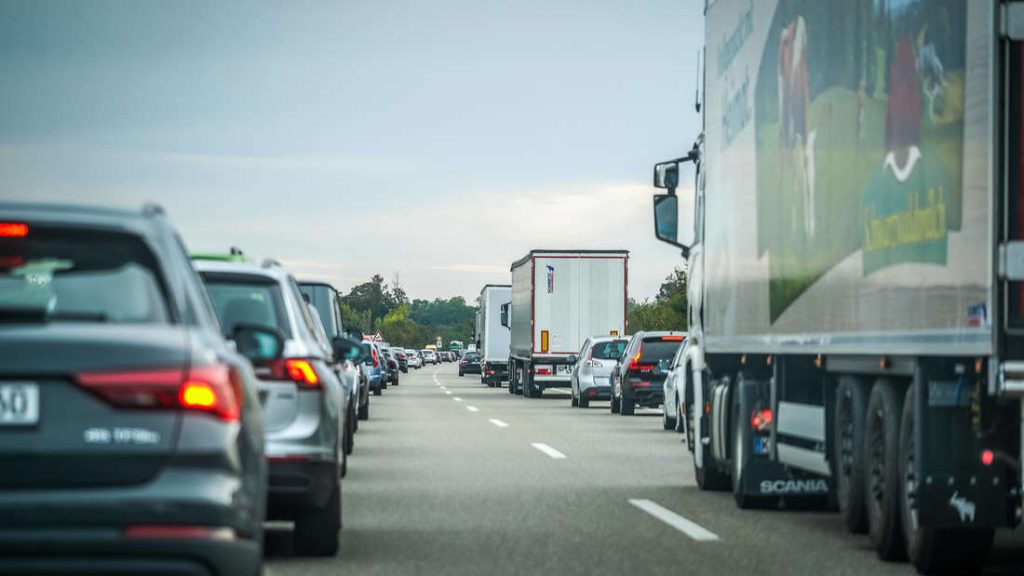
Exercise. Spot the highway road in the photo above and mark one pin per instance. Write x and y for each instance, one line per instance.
(451, 477)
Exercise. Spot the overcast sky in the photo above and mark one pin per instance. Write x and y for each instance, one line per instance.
(439, 140)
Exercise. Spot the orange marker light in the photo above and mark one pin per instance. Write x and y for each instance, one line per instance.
(13, 230)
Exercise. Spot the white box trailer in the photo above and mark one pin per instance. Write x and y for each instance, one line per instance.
(494, 337)
(559, 299)
(856, 287)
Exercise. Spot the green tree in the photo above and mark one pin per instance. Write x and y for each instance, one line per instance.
(668, 309)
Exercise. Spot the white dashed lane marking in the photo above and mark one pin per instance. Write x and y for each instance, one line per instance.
(548, 450)
(472, 408)
(692, 529)
(498, 423)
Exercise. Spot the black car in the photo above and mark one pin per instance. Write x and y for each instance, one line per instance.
(637, 379)
(470, 364)
(131, 435)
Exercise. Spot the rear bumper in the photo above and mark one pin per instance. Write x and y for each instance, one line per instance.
(648, 396)
(470, 369)
(299, 484)
(105, 551)
(596, 393)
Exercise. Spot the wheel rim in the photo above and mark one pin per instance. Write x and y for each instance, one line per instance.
(846, 454)
(876, 472)
(737, 460)
(909, 480)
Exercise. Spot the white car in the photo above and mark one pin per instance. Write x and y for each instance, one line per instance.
(674, 389)
(429, 356)
(590, 376)
(414, 359)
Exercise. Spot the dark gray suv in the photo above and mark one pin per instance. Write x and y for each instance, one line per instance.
(131, 435)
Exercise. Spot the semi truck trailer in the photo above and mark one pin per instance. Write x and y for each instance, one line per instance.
(852, 219)
(559, 298)
(494, 338)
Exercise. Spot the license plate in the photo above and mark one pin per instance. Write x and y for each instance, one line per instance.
(762, 445)
(19, 404)
(563, 369)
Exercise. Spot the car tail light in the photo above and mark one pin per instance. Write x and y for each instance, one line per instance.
(376, 357)
(215, 389)
(491, 372)
(634, 363)
(13, 230)
(298, 370)
(987, 457)
(671, 338)
(761, 420)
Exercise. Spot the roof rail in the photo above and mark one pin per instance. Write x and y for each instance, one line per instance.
(153, 209)
(270, 263)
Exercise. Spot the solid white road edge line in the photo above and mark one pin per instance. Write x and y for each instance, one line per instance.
(548, 450)
(498, 423)
(472, 408)
(692, 529)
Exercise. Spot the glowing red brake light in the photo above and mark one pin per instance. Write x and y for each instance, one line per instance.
(672, 338)
(634, 363)
(987, 457)
(302, 372)
(376, 358)
(13, 230)
(761, 420)
(214, 389)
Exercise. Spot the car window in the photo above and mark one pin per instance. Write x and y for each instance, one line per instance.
(307, 318)
(658, 348)
(608, 350)
(246, 299)
(56, 274)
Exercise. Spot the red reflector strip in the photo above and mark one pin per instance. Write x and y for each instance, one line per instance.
(987, 457)
(640, 384)
(13, 230)
(179, 532)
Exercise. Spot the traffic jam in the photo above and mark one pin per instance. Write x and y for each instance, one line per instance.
(837, 352)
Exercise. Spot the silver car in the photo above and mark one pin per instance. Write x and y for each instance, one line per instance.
(674, 388)
(590, 378)
(304, 401)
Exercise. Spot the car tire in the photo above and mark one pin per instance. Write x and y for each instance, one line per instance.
(574, 400)
(627, 407)
(680, 416)
(461, 373)
(364, 410)
(666, 422)
(583, 402)
(378, 390)
(614, 404)
(316, 529)
(882, 470)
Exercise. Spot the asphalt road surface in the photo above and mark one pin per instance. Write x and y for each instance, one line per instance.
(451, 477)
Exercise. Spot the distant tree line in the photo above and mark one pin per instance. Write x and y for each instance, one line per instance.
(374, 305)
(668, 309)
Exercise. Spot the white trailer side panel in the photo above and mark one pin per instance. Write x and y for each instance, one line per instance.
(495, 338)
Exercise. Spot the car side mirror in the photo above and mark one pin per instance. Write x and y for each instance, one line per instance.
(258, 343)
(571, 359)
(346, 349)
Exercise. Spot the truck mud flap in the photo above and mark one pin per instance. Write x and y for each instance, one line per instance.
(763, 477)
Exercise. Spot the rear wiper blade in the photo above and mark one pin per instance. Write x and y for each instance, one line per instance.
(19, 314)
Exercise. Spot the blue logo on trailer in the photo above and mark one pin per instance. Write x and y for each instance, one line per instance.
(551, 279)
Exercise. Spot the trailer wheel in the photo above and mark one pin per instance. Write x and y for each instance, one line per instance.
(882, 473)
(934, 550)
(848, 437)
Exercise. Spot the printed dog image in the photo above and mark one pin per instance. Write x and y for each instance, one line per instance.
(794, 108)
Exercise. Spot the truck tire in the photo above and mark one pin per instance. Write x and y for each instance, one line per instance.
(627, 407)
(316, 529)
(934, 550)
(709, 478)
(742, 439)
(848, 437)
(882, 470)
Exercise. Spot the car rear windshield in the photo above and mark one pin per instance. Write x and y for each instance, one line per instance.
(655, 349)
(247, 299)
(471, 356)
(52, 274)
(608, 350)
